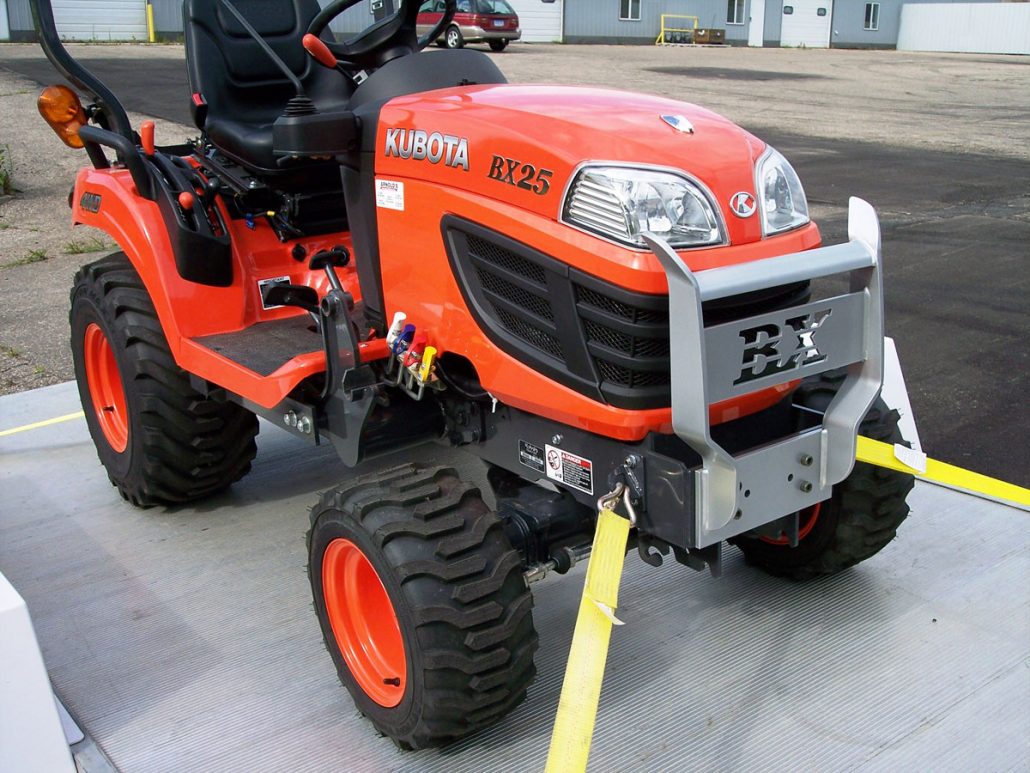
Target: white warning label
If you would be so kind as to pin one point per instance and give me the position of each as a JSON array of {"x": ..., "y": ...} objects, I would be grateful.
[
  {"x": 263, "y": 283},
  {"x": 569, "y": 469},
  {"x": 390, "y": 194}
]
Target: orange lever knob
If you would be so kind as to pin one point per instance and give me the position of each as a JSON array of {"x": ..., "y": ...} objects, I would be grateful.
[
  {"x": 187, "y": 200},
  {"x": 318, "y": 49},
  {"x": 146, "y": 137}
]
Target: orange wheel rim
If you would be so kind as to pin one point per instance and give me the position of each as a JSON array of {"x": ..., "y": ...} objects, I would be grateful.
[
  {"x": 364, "y": 623},
  {"x": 105, "y": 387},
  {"x": 809, "y": 518}
]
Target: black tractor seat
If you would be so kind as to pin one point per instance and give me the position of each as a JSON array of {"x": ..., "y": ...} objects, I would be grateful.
[{"x": 238, "y": 91}]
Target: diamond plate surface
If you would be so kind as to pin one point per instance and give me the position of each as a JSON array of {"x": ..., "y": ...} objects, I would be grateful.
[{"x": 183, "y": 638}]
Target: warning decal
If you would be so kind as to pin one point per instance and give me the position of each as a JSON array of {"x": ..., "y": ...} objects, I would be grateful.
[
  {"x": 570, "y": 469},
  {"x": 263, "y": 283},
  {"x": 532, "y": 456},
  {"x": 390, "y": 194}
]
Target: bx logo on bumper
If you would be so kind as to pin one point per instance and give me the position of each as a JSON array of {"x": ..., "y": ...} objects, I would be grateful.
[
  {"x": 771, "y": 349},
  {"x": 434, "y": 147}
]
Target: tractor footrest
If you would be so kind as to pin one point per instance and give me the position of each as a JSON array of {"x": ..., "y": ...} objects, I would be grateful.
[{"x": 267, "y": 346}]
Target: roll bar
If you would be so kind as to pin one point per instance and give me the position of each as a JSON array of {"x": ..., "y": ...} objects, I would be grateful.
[{"x": 112, "y": 114}]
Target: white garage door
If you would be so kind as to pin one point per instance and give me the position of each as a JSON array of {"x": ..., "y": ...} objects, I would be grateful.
[
  {"x": 806, "y": 23},
  {"x": 540, "y": 22},
  {"x": 101, "y": 19}
]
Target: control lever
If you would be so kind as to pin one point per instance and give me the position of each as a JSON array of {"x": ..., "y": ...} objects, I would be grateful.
[
  {"x": 320, "y": 51},
  {"x": 329, "y": 261},
  {"x": 344, "y": 369}
]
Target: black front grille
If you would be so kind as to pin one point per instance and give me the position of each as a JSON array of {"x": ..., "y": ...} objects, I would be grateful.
[
  {"x": 627, "y": 377},
  {"x": 635, "y": 346},
  {"x": 530, "y": 334},
  {"x": 502, "y": 288},
  {"x": 633, "y": 313},
  {"x": 609, "y": 343},
  {"x": 505, "y": 259}
]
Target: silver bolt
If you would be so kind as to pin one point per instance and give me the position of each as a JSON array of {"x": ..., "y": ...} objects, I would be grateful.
[
  {"x": 806, "y": 460},
  {"x": 556, "y": 440},
  {"x": 805, "y": 486},
  {"x": 290, "y": 419},
  {"x": 632, "y": 461},
  {"x": 304, "y": 425}
]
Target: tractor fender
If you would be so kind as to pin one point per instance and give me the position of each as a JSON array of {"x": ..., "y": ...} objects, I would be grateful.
[{"x": 107, "y": 199}]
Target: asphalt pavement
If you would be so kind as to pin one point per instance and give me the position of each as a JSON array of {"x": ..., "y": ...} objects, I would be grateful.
[{"x": 956, "y": 259}]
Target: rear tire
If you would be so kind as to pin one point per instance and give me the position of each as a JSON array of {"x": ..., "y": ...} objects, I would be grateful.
[
  {"x": 452, "y": 583},
  {"x": 860, "y": 518},
  {"x": 498, "y": 45},
  {"x": 452, "y": 38},
  {"x": 159, "y": 439}
]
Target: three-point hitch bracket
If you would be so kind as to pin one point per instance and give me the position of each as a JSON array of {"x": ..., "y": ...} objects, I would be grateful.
[{"x": 348, "y": 393}]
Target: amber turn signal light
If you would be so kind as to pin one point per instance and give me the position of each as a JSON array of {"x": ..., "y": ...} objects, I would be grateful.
[{"x": 61, "y": 108}]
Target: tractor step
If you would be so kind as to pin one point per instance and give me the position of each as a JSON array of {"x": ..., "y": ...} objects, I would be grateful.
[{"x": 266, "y": 346}]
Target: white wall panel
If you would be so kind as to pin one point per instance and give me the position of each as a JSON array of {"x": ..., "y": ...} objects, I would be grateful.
[
  {"x": 976, "y": 28},
  {"x": 101, "y": 19},
  {"x": 805, "y": 27},
  {"x": 540, "y": 22}
]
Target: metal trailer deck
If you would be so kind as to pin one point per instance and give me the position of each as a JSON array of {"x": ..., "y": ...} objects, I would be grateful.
[{"x": 182, "y": 639}]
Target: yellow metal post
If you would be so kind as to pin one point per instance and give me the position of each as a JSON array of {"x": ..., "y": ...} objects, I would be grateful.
[{"x": 151, "y": 32}]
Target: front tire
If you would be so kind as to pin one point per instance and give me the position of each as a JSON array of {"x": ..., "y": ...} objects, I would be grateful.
[
  {"x": 422, "y": 604},
  {"x": 498, "y": 45},
  {"x": 861, "y": 517},
  {"x": 158, "y": 438},
  {"x": 452, "y": 38}
]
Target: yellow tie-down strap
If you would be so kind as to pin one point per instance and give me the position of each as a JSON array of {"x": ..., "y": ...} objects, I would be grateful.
[
  {"x": 898, "y": 457},
  {"x": 41, "y": 424},
  {"x": 581, "y": 690}
]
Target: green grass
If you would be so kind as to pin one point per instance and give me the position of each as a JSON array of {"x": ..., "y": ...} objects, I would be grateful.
[
  {"x": 34, "y": 256},
  {"x": 80, "y": 246},
  {"x": 6, "y": 186},
  {"x": 10, "y": 351}
]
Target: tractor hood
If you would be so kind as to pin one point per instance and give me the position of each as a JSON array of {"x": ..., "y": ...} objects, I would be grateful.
[{"x": 523, "y": 144}]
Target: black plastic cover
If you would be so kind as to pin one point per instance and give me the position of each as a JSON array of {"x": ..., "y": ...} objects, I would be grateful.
[{"x": 315, "y": 135}]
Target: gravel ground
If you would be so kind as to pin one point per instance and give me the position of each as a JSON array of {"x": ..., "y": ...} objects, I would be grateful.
[
  {"x": 39, "y": 249},
  {"x": 948, "y": 103}
]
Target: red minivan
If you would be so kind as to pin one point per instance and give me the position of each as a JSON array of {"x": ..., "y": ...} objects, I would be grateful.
[{"x": 476, "y": 21}]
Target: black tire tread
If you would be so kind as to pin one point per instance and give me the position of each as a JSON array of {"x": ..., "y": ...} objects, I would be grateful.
[
  {"x": 463, "y": 583},
  {"x": 869, "y": 504},
  {"x": 192, "y": 446}
]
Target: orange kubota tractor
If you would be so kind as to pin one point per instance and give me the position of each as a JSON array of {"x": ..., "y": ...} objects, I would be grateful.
[{"x": 376, "y": 247}]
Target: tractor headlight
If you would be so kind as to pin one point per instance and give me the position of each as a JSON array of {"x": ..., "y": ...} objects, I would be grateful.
[
  {"x": 782, "y": 198},
  {"x": 621, "y": 203}
]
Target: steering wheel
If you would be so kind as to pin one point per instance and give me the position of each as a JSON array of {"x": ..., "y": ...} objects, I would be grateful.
[{"x": 387, "y": 39}]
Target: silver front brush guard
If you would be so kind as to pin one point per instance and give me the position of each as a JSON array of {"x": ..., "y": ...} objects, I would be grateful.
[{"x": 737, "y": 494}]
